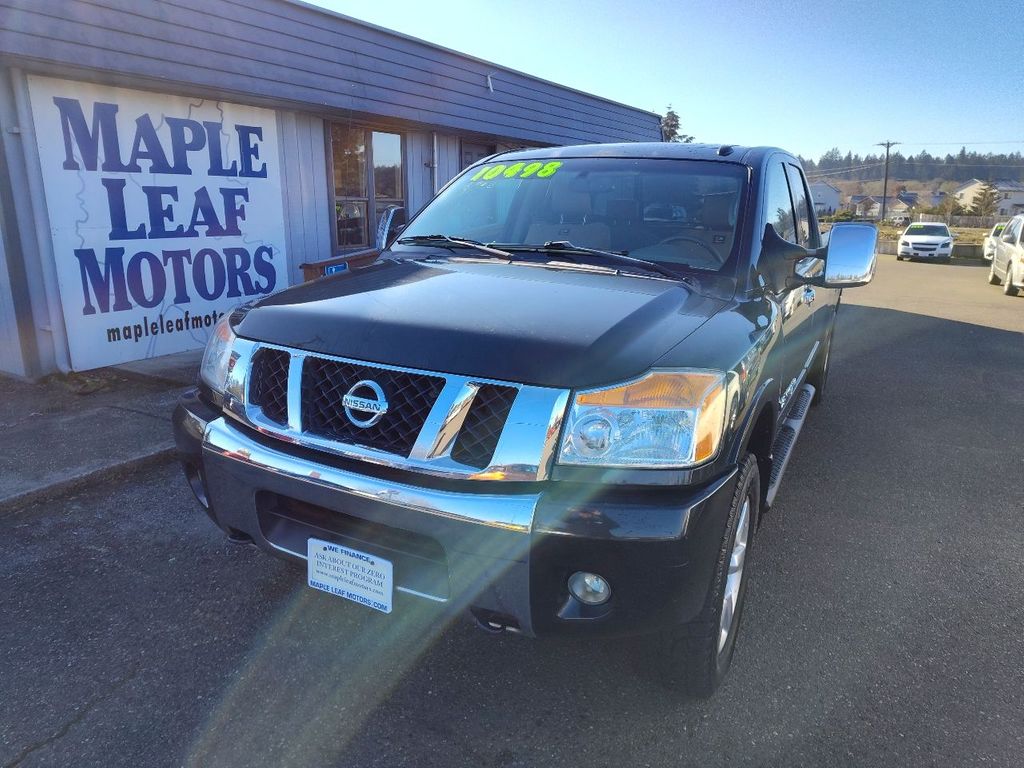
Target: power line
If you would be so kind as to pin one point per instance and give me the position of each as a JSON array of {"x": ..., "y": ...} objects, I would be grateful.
[
  {"x": 958, "y": 143},
  {"x": 851, "y": 169},
  {"x": 938, "y": 162}
]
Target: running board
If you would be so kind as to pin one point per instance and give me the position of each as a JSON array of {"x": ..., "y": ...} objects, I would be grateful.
[{"x": 782, "y": 448}]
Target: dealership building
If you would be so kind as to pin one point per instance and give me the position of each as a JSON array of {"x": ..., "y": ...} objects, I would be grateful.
[{"x": 165, "y": 160}]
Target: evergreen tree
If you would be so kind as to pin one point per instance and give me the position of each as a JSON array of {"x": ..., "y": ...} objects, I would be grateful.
[
  {"x": 670, "y": 127},
  {"x": 986, "y": 201}
]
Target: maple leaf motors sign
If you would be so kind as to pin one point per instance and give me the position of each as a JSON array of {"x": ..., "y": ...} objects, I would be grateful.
[{"x": 165, "y": 212}]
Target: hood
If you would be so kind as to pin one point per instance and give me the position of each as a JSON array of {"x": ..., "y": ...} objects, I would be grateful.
[{"x": 527, "y": 324}]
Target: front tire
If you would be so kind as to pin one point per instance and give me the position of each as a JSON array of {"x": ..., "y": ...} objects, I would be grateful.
[
  {"x": 700, "y": 652},
  {"x": 1009, "y": 289},
  {"x": 993, "y": 278},
  {"x": 817, "y": 377}
]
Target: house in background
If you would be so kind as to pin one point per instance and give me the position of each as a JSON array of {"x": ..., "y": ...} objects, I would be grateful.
[
  {"x": 1011, "y": 195},
  {"x": 870, "y": 206},
  {"x": 825, "y": 197}
]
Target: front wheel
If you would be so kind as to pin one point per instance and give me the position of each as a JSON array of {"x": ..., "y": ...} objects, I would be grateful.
[
  {"x": 993, "y": 278},
  {"x": 700, "y": 652},
  {"x": 1008, "y": 287},
  {"x": 817, "y": 377}
]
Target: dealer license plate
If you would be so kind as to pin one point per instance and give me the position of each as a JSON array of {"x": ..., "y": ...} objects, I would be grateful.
[{"x": 357, "y": 576}]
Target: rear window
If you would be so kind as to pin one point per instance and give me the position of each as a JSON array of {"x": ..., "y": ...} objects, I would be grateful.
[{"x": 934, "y": 230}]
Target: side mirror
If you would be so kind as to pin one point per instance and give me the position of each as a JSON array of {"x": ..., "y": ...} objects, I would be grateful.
[
  {"x": 387, "y": 226},
  {"x": 777, "y": 263},
  {"x": 850, "y": 256}
]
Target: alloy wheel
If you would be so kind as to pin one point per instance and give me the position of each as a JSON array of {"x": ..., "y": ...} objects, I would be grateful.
[{"x": 734, "y": 580}]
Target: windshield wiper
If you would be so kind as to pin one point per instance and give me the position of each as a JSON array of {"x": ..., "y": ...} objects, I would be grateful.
[
  {"x": 446, "y": 241},
  {"x": 564, "y": 246}
]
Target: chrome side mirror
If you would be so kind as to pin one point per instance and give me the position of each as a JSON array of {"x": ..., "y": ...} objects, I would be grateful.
[
  {"x": 850, "y": 255},
  {"x": 386, "y": 226}
]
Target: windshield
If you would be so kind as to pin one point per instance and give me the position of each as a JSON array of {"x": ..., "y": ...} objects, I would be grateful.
[
  {"x": 678, "y": 213},
  {"x": 932, "y": 230},
  {"x": 997, "y": 230}
]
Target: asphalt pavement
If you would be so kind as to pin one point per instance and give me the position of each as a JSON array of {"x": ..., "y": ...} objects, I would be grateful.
[{"x": 884, "y": 622}]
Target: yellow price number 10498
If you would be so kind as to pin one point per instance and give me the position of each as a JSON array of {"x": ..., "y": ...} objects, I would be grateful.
[{"x": 517, "y": 171}]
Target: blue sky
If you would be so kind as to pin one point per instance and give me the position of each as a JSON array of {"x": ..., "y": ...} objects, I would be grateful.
[{"x": 802, "y": 75}]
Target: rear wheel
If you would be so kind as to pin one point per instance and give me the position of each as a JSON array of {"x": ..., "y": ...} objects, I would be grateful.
[
  {"x": 1008, "y": 287},
  {"x": 700, "y": 652}
]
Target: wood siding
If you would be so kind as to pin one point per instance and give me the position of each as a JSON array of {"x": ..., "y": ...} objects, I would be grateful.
[
  {"x": 305, "y": 189},
  {"x": 289, "y": 52}
]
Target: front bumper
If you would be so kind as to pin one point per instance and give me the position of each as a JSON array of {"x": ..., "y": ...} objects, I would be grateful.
[
  {"x": 502, "y": 550},
  {"x": 909, "y": 252}
]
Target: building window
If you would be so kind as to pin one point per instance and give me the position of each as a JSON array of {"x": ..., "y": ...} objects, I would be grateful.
[{"x": 368, "y": 178}]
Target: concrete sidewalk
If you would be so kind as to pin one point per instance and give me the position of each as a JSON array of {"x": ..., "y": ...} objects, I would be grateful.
[{"x": 65, "y": 432}]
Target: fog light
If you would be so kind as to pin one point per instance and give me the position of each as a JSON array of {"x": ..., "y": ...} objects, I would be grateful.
[{"x": 589, "y": 588}]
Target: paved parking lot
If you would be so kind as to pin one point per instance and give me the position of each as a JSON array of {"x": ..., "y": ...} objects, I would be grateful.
[{"x": 884, "y": 623}]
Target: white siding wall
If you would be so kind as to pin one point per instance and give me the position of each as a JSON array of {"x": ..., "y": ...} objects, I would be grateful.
[
  {"x": 306, "y": 190},
  {"x": 45, "y": 345},
  {"x": 419, "y": 155},
  {"x": 10, "y": 349},
  {"x": 449, "y": 159}
]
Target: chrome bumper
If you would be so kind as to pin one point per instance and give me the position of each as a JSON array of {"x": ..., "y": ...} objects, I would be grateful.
[{"x": 506, "y": 511}]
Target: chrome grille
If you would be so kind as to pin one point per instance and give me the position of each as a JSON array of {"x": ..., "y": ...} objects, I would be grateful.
[
  {"x": 483, "y": 426},
  {"x": 447, "y": 425},
  {"x": 268, "y": 384},
  {"x": 410, "y": 397}
]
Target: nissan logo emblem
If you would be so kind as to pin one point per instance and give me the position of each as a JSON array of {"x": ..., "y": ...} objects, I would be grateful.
[{"x": 365, "y": 403}]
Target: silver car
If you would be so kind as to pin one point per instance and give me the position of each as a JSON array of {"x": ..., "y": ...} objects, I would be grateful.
[
  {"x": 1008, "y": 261},
  {"x": 988, "y": 247}
]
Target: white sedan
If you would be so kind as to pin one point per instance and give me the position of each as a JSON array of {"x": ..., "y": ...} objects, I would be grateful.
[
  {"x": 988, "y": 246},
  {"x": 925, "y": 241}
]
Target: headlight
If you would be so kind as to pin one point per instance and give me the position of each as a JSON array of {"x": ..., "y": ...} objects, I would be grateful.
[
  {"x": 904, "y": 242},
  {"x": 663, "y": 419},
  {"x": 947, "y": 244},
  {"x": 218, "y": 358}
]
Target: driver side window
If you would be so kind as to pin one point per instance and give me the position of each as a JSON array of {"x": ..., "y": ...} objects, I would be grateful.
[
  {"x": 1010, "y": 233},
  {"x": 778, "y": 206}
]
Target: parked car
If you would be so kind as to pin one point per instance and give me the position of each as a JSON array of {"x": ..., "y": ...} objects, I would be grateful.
[
  {"x": 988, "y": 247},
  {"x": 900, "y": 221},
  {"x": 540, "y": 404},
  {"x": 1007, "y": 265},
  {"x": 925, "y": 241}
]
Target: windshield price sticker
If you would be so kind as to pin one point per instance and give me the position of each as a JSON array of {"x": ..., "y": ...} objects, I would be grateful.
[
  {"x": 357, "y": 576},
  {"x": 535, "y": 169}
]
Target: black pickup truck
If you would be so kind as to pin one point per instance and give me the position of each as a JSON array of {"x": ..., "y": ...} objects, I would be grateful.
[{"x": 560, "y": 401}]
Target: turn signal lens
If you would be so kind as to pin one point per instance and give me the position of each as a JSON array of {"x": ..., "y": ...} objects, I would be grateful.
[{"x": 218, "y": 359}]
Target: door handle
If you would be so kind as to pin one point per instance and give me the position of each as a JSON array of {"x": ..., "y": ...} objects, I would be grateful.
[{"x": 808, "y": 295}]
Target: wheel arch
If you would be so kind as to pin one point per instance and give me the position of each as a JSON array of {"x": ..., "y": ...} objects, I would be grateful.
[{"x": 757, "y": 434}]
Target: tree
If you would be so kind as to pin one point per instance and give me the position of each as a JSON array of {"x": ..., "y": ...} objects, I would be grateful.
[
  {"x": 949, "y": 206},
  {"x": 670, "y": 128},
  {"x": 986, "y": 201}
]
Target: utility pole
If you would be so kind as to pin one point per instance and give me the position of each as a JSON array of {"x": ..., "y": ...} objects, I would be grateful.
[{"x": 885, "y": 184}]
